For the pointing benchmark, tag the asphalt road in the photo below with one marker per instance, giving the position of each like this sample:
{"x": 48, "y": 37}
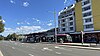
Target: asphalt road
{"x": 9, "y": 48}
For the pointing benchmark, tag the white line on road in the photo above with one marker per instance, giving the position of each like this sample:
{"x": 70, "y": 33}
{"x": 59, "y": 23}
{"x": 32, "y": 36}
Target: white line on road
{"x": 13, "y": 47}
{"x": 30, "y": 54}
{"x": 47, "y": 49}
{"x": 58, "y": 53}
{"x": 1, "y": 53}
{"x": 22, "y": 43}
{"x": 57, "y": 47}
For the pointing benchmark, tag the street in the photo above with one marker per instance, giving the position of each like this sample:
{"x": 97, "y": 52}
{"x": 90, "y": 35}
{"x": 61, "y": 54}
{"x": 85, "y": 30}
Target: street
{"x": 10, "y": 48}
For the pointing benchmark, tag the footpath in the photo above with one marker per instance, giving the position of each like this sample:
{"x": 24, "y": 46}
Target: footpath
{"x": 91, "y": 46}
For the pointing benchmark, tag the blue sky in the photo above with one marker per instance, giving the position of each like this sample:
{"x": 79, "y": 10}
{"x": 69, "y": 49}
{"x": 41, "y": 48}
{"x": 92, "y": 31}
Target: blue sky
{"x": 28, "y": 16}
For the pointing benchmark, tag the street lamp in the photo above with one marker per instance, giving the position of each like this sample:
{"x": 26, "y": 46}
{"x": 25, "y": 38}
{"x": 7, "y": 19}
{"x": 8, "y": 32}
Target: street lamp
{"x": 55, "y": 24}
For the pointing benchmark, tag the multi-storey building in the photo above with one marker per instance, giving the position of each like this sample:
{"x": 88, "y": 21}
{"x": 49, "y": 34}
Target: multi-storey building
{"x": 66, "y": 20}
{"x": 86, "y": 18}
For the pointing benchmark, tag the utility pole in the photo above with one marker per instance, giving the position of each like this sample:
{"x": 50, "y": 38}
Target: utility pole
{"x": 55, "y": 26}
{"x": 55, "y": 30}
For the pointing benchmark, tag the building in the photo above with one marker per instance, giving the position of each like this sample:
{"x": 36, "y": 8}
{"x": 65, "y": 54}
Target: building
{"x": 66, "y": 20}
{"x": 86, "y": 18}
{"x": 50, "y": 34}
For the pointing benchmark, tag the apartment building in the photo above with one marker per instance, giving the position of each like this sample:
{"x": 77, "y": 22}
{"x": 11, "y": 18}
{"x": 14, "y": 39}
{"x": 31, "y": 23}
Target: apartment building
{"x": 86, "y": 18}
{"x": 66, "y": 20}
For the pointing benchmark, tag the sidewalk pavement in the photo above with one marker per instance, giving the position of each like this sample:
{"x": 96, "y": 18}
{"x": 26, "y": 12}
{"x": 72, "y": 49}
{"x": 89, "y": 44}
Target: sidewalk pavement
{"x": 89, "y": 46}
{"x": 80, "y": 44}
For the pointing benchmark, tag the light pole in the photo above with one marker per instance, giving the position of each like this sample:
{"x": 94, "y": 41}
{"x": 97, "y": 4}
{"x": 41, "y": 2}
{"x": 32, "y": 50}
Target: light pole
{"x": 55, "y": 35}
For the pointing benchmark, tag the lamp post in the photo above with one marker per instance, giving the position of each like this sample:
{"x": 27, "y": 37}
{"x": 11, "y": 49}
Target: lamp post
{"x": 55, "y": 35}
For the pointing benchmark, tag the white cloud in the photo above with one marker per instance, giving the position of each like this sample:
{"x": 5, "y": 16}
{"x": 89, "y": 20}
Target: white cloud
{"x": 3, "y": 21}
{"x": 8, "y": 31}
{"x": 65, "y": 1}
{"x": 25, "y": 4}
{"x": 12, "y": 1}
{"x": 51, "y": 21}
{"x": 68, "y": 2}
{"x": 50, "y": 24}
{"x": 18, "y": 23}
{"x": 37, "y": 20}
{"x": 28, "y": 29}
{"x": 23, "y": 30}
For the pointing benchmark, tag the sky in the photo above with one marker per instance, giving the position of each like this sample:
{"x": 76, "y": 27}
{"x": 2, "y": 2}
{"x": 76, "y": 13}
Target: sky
{"x": 29, "y": 16}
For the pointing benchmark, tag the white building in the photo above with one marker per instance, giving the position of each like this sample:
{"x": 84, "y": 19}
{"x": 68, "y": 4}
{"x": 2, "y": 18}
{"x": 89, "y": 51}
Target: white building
{"x": 66, "y": 20}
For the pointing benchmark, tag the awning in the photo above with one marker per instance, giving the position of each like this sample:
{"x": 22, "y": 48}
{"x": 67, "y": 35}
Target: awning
{"x": 76, "y": 33}
{"x": 62, "y": 34}
{"x": 50, "y": 36}
{"x": 86, "y": 32}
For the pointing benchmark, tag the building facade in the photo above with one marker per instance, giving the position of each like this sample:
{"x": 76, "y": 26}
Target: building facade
{"x": 86, "y": 18}
{"x": 66, "y": 20}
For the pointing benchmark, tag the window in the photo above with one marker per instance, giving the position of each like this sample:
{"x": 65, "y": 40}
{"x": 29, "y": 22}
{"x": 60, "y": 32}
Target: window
{"x": 63, "y": 20}
{"x": 78, "y": 0}
{"x": 71, "y": 28}
{"x": 70, "y": 14}
{"x": 88, "y": 26}
{"x": 64, "y": 12}
{"x": 63, "y": 25}
{"x": 71, "y": 23}
{"x": 59, "y": 17}
{"x": 86, "y": 2}
{"x": 71, "y": 18}
{"x": 86, "y": 8}
{"x": 88, "y": 20}
{"x": 62, "y": 16}
{"x": 63, "y": 29}
{"x": 87, "y": 14}
{"x": 58, "y": 21}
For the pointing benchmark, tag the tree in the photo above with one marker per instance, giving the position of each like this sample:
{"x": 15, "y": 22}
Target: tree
{"x": 9, "y": 37}
{"x": 14, "y": 36}
{"x": 1, "y": 25}
{"x": 1, "y": 37}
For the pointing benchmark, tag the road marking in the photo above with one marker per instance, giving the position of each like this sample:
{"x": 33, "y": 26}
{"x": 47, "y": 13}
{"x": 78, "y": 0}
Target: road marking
{"x": 30, "y": 54}
{"x": 22, "y": 43}
{"x": 1, "y": 53}
{"x": 13, "y": 47}
{"x": 58, "y": 53}
{"x": 57, "y": 47}
{"x": 47, "y": 49}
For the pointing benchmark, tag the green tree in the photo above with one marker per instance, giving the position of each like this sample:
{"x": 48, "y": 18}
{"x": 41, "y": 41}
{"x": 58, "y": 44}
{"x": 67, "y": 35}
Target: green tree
{"x": 14, "y": 36}
{"x": 1, "y": 25}
{"x": 1, "y": 37}
{"x": 9, "y": 37}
